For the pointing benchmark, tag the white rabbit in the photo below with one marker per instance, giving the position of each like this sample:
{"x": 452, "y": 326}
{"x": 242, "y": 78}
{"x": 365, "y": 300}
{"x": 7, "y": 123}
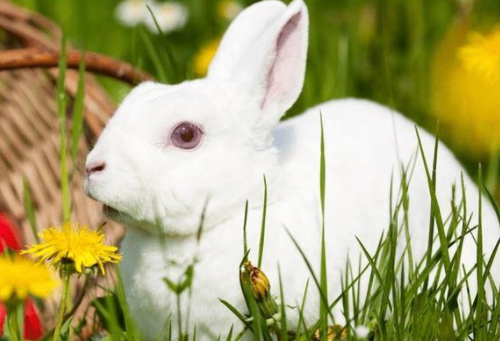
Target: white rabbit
{"x": 170, "y": 150}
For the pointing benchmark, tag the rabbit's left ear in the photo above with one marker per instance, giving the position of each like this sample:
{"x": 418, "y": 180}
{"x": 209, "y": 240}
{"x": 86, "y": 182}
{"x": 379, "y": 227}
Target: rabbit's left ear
{"x": 263, "y": 55}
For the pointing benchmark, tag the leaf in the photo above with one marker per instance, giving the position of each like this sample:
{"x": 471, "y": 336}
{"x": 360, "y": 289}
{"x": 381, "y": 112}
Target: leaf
{"x": 66, "y": 330}
{"x": 171, "y": 285}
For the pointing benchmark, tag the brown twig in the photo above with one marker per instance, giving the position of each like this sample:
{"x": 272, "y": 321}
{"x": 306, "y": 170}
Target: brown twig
{"x": 94, "y": 62}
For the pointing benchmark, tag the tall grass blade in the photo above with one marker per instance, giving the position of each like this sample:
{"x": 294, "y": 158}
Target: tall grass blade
{"x": 436, "y": 210}
{"x": 311, "y": 271}
{"x": 245, "y": 219}
{"x": 263, "y": 225}
{"x": 169, "y": 54}
{"x": 323, "y": 276}
{"x": 432, "y": 217}
{"x": 160, "y": 71}
{"x": 283, "y": 324}
{"x": 479, "y": 261}
{"x": 77, "y": 120}
{"x": 29, "y": 207}
{"x": 132, "y": 333}
{"x": 61, "y": 109}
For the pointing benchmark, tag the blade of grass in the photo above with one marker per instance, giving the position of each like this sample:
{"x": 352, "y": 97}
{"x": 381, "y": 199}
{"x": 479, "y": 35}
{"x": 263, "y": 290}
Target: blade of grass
{"x": 492, "y": 202}
{"x": 435, "y": 209}
{"x": 323, "y": 275}
{"x": 131, "y": 332}
{"x": 245, "y": 219}
{"x": 235, "y": 311}
{"x": 283, "y": 326}
{"x": 61, "y": 109}
{"x": 230, "y": 334}
{"x": 311, "y": 271}
{"x": 302, "y": 305}
{"x": 479, "y": 253}
{"x": 375, "y": 271}
{"x": 30, "y": 210}
{"x": 155, "y": 58}
{"x": 263, "y": 225}
{"x": 170, "y": 56}
{"x": 432, "y": 216}
{"x": 77, "y": 120}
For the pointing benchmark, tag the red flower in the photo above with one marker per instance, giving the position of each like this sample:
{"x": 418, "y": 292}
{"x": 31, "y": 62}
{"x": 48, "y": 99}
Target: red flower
{"x": 8, "y": 235}
{"x": 33, "y": 328}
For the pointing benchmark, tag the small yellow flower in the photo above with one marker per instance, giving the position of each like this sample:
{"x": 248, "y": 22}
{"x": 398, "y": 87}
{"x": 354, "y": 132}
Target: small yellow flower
{"x": 20, "y": 277}
{"x": 203, "y": 58}
{"x": 75, "y": 243}
{"x": 482, "y": 54}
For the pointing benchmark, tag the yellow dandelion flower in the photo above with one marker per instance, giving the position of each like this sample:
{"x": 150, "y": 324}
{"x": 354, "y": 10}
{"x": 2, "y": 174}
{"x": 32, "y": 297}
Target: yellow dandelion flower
{"x": 465, "y": 91}
{"x": 75, "y": 243}
{"x": 20, "y": 277}
{"x": 203, "y": 58}
{"x": 482, "y": 54}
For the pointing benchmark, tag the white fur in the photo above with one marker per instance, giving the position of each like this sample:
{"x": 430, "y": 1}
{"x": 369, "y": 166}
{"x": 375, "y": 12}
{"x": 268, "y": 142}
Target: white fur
{"x": 160, "y": 190}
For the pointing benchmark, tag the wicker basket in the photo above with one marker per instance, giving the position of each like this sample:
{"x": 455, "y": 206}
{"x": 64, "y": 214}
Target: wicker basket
{"x": 29, "y": 128}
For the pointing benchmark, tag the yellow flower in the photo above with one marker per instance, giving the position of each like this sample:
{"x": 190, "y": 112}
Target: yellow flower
{"x": 482, "y": 54}
{"x": 204, "y": 57}
{"x": 75, "y": 243}
{"x": 20, "y": 277}
{"x": 465, "y": 91}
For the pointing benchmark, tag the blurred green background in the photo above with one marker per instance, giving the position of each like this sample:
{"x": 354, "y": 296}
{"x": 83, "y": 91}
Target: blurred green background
{"x": 384, "y": 50}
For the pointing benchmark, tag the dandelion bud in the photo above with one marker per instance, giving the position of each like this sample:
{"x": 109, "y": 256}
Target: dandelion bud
{"x": 257, "y": 281}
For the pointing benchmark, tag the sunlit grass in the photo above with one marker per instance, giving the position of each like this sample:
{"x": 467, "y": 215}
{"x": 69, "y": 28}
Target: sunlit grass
{"x": 379, "y": 50}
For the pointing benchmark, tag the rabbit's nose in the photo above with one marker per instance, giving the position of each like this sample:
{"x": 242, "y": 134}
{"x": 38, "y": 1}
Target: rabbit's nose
{"x": 95, "y": 167}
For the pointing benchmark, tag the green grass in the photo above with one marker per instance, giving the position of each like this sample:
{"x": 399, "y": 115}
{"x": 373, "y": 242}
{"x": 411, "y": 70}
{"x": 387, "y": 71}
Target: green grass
{"x": 404, "y": 298}
{"x": 380, "y": 50}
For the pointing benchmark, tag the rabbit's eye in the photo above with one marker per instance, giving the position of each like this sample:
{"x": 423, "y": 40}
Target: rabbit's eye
{"x": 186, "y": 136}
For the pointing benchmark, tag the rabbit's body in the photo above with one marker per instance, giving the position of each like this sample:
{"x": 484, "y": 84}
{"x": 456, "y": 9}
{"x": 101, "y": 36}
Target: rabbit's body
{"x": 360, "y": 162}
{"x": 172, "y": 152}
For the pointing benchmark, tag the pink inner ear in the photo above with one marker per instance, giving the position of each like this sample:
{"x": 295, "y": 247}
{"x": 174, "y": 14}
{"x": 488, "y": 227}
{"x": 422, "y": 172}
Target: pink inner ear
{"x": 283, "y": 79}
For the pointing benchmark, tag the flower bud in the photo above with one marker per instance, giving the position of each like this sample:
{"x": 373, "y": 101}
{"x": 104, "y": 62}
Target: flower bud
{"x": 259, "y": 286}
{"x": 258, "y": 281}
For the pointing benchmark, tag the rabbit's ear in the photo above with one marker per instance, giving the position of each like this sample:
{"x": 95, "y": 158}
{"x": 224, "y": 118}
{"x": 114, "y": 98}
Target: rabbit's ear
{"x": 263, "y": 55}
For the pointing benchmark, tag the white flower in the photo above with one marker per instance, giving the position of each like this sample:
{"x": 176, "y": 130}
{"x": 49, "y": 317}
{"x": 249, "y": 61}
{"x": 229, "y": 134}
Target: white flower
{"x": 362, "y": 332}
{"x": 171, "y": 16}
{"x": 229, "y": 9}
{"x": 131, "y": 12}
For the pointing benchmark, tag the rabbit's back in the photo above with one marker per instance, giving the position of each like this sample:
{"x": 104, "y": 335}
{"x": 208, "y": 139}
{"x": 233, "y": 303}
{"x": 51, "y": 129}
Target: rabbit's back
{"x": 366, "y": 147}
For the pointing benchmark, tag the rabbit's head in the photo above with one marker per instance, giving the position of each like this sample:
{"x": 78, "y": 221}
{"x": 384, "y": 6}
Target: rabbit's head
{"x": 170, "y": 151}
